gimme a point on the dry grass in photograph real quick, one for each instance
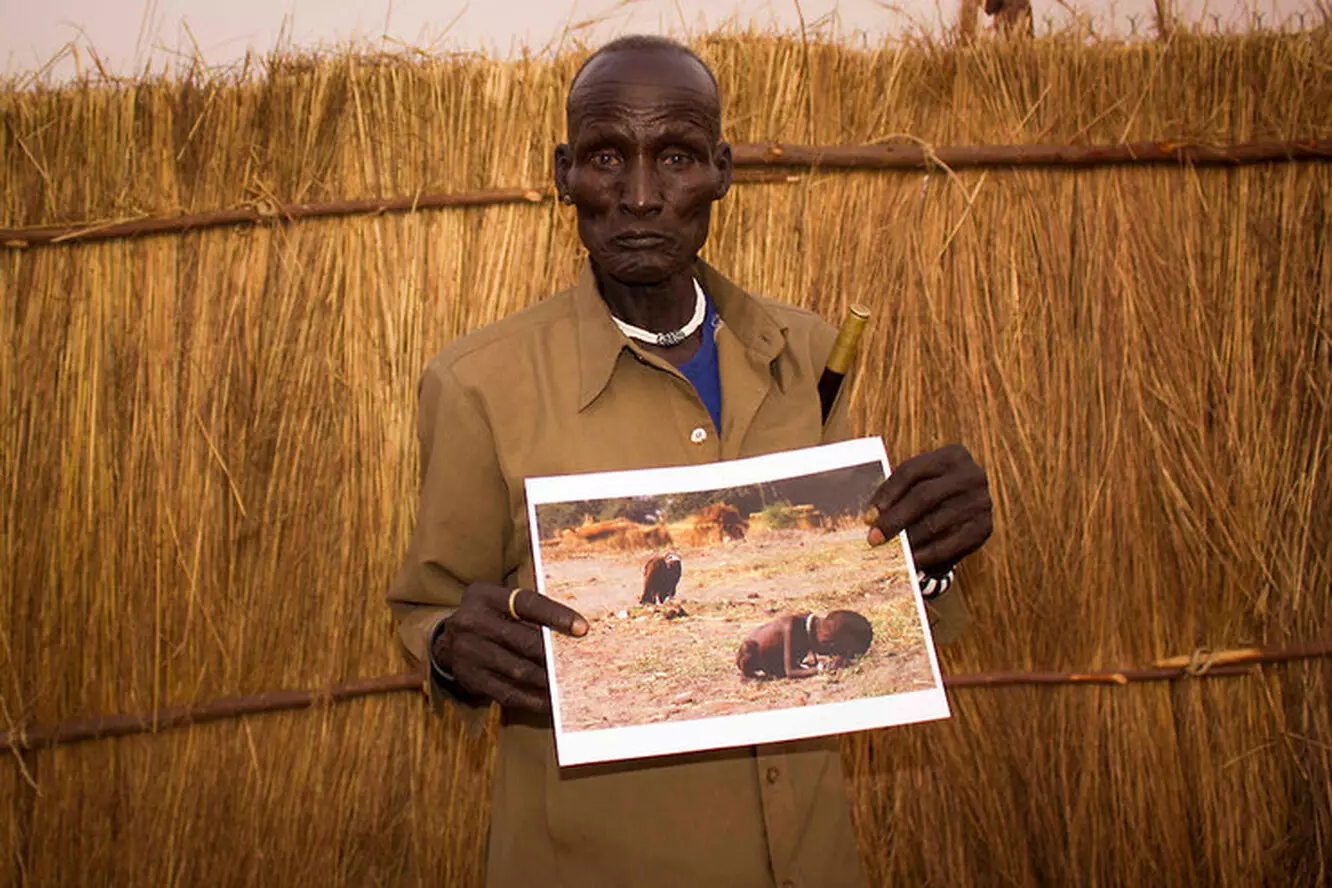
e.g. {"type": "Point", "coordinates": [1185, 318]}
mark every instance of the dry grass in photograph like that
{"type": "Point", "coordinates": [642, 664]}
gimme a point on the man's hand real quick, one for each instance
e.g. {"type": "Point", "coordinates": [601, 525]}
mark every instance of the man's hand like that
{"type": "Point", "coordinates": [942, 500]}
{"type": "Point", "coordinates": [491, 653]}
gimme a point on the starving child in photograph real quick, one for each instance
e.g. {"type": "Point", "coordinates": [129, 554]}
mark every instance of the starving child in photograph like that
{"type": "Point", "coordinates": [780, 649]}
{"type": "Point", "coordinates": [729, 604]}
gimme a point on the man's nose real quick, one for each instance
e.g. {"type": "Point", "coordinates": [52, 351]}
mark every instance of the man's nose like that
{"type": "Point", "coordinates": [642, 189]}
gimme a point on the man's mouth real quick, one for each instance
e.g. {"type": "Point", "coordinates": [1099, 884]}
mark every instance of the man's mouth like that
{"type": "Point", "coordinates": [640, 240]}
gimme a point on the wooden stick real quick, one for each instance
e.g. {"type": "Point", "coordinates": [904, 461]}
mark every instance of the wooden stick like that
{"type": "Point", "coordinates": [260, 213]}
{"type": "Point", "coordinates": [1120, 677]}
{"type": "Point", "coordinates": [764, 176]}
{"type": "Point", "coordinates": [276, 701]}
{"type": "Point", "coordinates": [1205, 659]}
{"type": "Point", "coordinates": [227, 707]}
{"type": "Point", "coordinates": [890, 157]}
{"type": "Point", "coordinates": [760, 158]}
{"type": "Point", "coordinates": [1218, 658]}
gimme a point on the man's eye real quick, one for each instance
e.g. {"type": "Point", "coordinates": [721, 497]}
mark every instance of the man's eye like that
{"type": "Point", "coordinates": [605, 159]}
{"type": "Point", "coordinates": [677, 158]}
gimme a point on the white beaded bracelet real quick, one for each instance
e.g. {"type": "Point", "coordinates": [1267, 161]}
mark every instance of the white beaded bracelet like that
{"type": "Point", "coordinates": [933, 587]}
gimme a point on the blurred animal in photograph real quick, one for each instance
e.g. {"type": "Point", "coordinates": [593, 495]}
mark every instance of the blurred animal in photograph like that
{"type": "Point", "coordinates": [790, 645]}
{"type": "Point", "coordinates": [716, 523]}
{"type": "Point", "coordinates": [661, 574]}
{"type": "Point", "coordinates": [725, 520]}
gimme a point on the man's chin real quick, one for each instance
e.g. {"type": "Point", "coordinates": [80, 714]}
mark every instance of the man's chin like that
{"type": "Point", "coordinates": [642, 270]}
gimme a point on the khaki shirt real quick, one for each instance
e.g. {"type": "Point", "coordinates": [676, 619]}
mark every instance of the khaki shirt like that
{"type": "Point", "coordinates": [557, 389]}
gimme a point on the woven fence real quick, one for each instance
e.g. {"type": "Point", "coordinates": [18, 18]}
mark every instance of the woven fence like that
{"type": "Point", "coordinates": [208, 457]}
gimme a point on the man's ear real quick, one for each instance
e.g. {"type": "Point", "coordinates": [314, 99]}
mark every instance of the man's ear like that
{"type": "Point", "coordinates": [724, 168]}
{"type": "Point", "coordinates": [563, 161]}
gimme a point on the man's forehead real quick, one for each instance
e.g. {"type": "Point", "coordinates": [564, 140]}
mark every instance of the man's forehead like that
{"type": "Point", "coordinates": [631, 71]}
{"type": "Point", "coordinates": [642, 106]}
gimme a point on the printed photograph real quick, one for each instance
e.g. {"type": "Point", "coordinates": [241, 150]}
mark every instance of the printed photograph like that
{"type": "Point", "coordinates": [722, 592]}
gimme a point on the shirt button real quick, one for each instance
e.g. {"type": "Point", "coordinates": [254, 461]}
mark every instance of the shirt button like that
{"type": "Point", "coordinates": [773, 774]}
{"type": "Point", "coordinates": [698, 435]}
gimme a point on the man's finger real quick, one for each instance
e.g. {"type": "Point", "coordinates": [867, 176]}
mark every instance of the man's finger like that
{"type": "Point", "coordinates": [497, 688]}
{"type": "Point", "coordinates": [523, 638]}
{"type": "Point", "coordinates": [482, 653]}
{"type": "Point", "coordinates": [947, 517]}
{"type": "Point", "coordinates": [515, 698]}
{"type": "Point", "coordinates": [922, 499]}
{"type": "Point", "coordinates": [908, 474]}
{"type": "Point", "coordinates": [529, 606]}
{"type": "Point", "coordinates": [951, 548]}
{"type": "Point", "coordinates": [537, 608]}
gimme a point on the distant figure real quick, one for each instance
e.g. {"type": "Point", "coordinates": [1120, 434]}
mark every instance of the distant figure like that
{"type": "Point", "coordinates": [661, 574]}
{"type": "Point", "coordinates": [1011, 16]}
{"type": "Point", "coordinates": [781, 647]}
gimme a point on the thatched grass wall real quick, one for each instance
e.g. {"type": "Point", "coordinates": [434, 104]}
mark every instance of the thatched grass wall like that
{"type": "Point", "coordinates": [207, 452]}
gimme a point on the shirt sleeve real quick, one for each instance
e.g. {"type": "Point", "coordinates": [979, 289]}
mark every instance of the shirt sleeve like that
{"type": "Point", "coordinates": [462, 528]}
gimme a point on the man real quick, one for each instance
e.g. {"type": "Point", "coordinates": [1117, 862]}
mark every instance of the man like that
{"type": "Point", "coordinates": [651, 359]}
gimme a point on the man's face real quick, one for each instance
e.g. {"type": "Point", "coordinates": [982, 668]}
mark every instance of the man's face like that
{"type": "Point", "coordinates": [644, 162]}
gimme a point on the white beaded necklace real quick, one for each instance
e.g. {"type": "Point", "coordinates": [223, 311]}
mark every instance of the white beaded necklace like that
{"type": "Point", "coordinates": [673, 337]}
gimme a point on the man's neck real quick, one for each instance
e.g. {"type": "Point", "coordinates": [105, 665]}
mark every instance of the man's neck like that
{"type": "Point", "coordinates": [658, 308]}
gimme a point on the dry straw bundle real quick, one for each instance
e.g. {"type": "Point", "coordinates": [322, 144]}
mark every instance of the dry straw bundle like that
{"type": "Point", "coordinates": [209, 468]}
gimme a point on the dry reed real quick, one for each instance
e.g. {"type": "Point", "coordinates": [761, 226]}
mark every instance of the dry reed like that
{"type": "Point", "coordinates": [207, 446]}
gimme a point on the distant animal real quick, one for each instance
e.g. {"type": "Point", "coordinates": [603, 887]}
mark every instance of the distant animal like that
{"type": "Point", "coordinates": [716, 523]}
{"type": "Point", "coordinates": [730, 523]}
{"type": "Point", "coordinates": [661, 574]}
{"type": "Point", "coordinates": [782, 647]}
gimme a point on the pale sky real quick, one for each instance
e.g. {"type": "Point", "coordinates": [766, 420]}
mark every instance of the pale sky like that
{"type": "Point", "coordinates": [127, 34]}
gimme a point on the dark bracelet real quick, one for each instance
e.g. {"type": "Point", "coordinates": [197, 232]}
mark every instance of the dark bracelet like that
{"type": "Point", "coordinates": [441, 678]}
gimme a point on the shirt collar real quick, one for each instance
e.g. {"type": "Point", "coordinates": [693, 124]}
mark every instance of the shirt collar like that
{"type": "Point", "coordinates": [600, 342]}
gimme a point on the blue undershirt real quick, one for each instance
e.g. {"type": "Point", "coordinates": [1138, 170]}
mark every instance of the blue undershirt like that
{"type": "Point", "coordinates": [701, 370]}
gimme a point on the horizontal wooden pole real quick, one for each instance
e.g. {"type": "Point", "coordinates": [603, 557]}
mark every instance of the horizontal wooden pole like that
{"type": "Point", "coordinates": [917, 157]}
{"type": "Point", "coordinates": [259, 213]}
{"type": "Point", "coordinates": [1120, 677]}
{"type": "Point", "coordinates": [1204, 659]}
{"type": "Point", "coordinates": [227, 707]}
{"type": "Point", "coordinates": [755, 164]}
{"type": "Point", "coordinates": [1200, 665]}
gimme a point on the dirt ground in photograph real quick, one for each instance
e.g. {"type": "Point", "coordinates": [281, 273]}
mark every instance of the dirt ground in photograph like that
{"type": "Point", "coordinates": [643, 664]}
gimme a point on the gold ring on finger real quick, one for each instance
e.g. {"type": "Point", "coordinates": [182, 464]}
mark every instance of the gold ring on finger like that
{"type": "Point", "coordinates": [513, 613]}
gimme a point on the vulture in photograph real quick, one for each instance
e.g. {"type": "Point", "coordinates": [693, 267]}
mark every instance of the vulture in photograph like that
{"type": "Point", "coordinates": [661, 574]}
